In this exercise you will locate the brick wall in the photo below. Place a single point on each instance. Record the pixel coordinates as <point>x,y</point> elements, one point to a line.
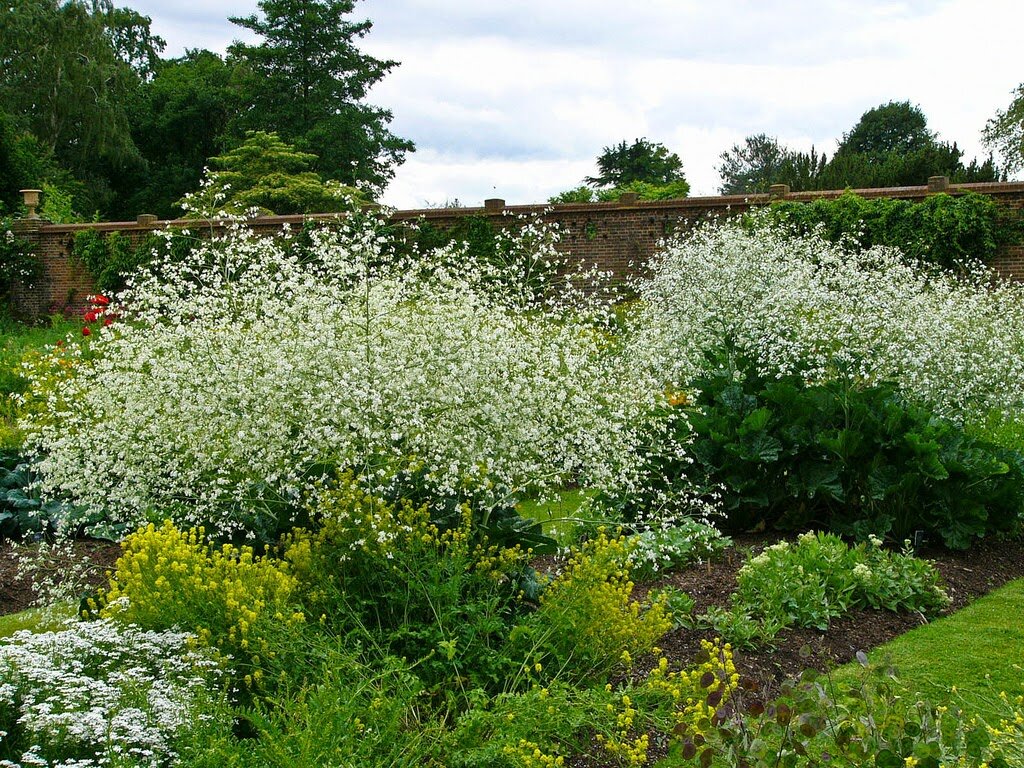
<point>618,237</point>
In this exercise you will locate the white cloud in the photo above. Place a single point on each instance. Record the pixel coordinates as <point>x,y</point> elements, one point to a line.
<point>517,99</point>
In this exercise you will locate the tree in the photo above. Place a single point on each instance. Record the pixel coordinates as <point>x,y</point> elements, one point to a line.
<point>762,161</point>
<point>893,127</point>
<point>270,175</point>
<point>179,119</point>
<point>306,82</point>
<point>752,167</point>
<point>67,69</point>
<point>1004,133</point>
<point>642,160</point>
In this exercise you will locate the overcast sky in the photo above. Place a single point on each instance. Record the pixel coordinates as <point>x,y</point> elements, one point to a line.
<point>516,99</point>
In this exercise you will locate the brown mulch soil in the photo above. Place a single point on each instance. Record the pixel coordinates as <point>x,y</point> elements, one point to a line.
<point>16,592</point>
<point>967,575</point>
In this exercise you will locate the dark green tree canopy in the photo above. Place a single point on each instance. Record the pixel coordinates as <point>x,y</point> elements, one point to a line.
<point>762,161</point>
<point>67,72</point>
<point>179,119</point>
<point>896,126</point>
<point>1004,133</point>
<point>890,146</point>
<point>306,81</point>
<point>641,161</point>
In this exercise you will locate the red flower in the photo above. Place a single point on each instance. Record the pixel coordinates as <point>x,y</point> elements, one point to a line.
<point>108,321</point>
<point>101,300</point>
<point>86,331</point>
<point>91,316</point>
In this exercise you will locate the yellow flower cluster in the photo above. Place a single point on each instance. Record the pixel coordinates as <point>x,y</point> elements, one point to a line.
<point>1007,739</point>
<point>529,755</point>
<point>362,525</point>
<point>167,577</point>
<point>690,689</point>
<point>633,751</point>
<point>590,612</point>
<point>677,397</point>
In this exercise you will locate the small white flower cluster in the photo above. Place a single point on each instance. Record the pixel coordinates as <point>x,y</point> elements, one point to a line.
<point>105,693</point>
<point>236,370</point>
<point>804,305</point>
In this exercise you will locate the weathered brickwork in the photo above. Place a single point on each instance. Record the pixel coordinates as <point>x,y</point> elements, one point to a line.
<point>617,237</point>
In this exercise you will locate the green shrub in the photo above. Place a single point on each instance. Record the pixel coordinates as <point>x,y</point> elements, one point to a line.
<point>849,457</point>
<point>386,575</point>
<point>818,579</point>
<point>941,229</point>
<point>228,596</point>
<point>587,622</point>
<point>112,257</point>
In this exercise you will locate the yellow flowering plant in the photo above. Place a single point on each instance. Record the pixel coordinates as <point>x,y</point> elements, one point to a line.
<point>227,595</point>
<point>587,622</point>
<point>390,577</point>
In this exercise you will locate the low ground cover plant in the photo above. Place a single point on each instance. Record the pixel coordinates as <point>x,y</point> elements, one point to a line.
<point>820,578</point>
<point>100,693</point>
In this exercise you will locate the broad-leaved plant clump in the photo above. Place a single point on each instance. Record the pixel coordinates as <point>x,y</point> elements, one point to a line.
<point>800,304</point>
<point>241,374</point>
<point>820,578</point>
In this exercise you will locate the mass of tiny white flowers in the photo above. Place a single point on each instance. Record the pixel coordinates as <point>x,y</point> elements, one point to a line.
<point>98,693</point>
<point>800,304</point>
<point>234,375</point>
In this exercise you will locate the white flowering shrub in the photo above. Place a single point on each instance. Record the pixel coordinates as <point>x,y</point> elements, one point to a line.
<point>99,694</point>
<point>237,377</point>
<point>799,304</point>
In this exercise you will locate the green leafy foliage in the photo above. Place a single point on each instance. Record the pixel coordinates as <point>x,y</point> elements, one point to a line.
<point>941,229</point>
<point>762,161</point>
<point>875,721</point>
<point>819,579</point>
<point>23,511</point>
<point>67,74</point>
<point>644,190</point>
<point>849,457</point>
<point>112,257</point>
<point>308,51</point>
<point>1005,131</point>
<point>269,175</point>
<point>383,573</point>
<point>643,160</point>
<point>890,146</point>
<point>179,119</point>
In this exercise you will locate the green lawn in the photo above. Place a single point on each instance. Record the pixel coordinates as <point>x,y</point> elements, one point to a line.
<point>36,619</point>
<point>978,650</point>
<point>559,516</point>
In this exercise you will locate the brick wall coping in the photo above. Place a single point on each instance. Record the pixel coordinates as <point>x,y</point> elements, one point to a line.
<point>679,204</point>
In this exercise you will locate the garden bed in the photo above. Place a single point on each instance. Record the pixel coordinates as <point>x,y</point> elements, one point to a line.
<point>967,575</point>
